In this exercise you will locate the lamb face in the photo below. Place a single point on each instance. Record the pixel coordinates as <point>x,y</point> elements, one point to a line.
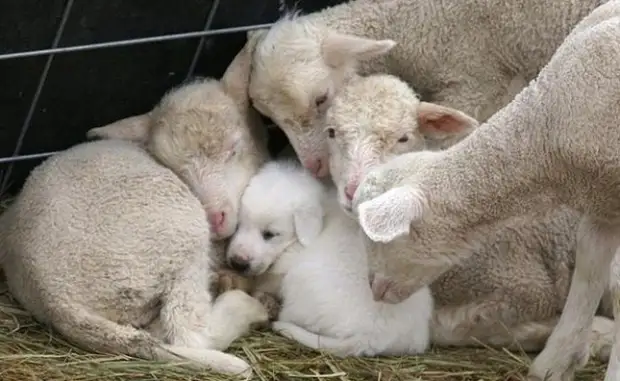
<point>276,212</point>
<point>208,135</point>
<point>209,145</point>
<point>297,69</point>
<point>378,117</point>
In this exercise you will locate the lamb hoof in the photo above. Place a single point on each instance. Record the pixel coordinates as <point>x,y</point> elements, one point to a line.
<point>543,370</point>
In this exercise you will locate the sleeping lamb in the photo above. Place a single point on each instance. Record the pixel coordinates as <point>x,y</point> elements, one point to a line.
<point>107,237</point>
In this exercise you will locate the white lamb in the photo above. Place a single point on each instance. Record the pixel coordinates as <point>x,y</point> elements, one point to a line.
<point>293,236</point>
<point>510,292</point>
<point>379,116</point>
<point>555,144</point>
<point>105,242</point>
<point>209,135</point>
<point>474,56</point>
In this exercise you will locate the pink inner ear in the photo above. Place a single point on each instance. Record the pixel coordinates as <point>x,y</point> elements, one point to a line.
<point>439,122</point>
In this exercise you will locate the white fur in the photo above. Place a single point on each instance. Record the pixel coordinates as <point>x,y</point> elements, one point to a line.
<point>320,257</point>
<point>207,133</point>
<point>112,235</point>
<point>472,55</point>
<point>555,144</point>
<point>98,235</point>
<point>376,117</point>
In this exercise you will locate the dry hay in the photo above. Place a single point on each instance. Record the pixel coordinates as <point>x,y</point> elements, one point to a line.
<point>30,352</point>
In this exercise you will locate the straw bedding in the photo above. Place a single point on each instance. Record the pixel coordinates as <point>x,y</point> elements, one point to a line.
<point>30,352</point>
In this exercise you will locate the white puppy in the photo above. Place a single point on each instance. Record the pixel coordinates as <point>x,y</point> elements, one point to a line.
<point>296,238</point>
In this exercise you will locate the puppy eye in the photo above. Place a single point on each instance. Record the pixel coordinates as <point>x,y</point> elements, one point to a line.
<point>403,139</point>
<point>267,235</point>
<point>331,133</point>
<point>320,100</point>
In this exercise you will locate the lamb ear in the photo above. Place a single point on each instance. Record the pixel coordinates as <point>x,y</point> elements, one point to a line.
<point>388,216</point>
<point>236,79</point>
<point>308,223</point>
<point>256,34</point>
<point>439,122</point>
<point>134,128</point>
<point>339,49</point>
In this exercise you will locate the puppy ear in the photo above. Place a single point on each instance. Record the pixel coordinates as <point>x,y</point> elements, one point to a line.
<point>388,216</point>
<point>308,222</point>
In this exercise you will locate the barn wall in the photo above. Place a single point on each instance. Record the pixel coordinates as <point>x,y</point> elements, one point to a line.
<point>90,88</point>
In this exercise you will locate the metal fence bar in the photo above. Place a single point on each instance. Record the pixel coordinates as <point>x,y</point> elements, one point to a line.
<point>39,90</point>
<point>51,52</point>
<point>136,41</point>
<point>33,156</point>
<point>201,43</point>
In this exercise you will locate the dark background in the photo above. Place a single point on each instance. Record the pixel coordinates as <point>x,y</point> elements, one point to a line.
<point>91,88</point>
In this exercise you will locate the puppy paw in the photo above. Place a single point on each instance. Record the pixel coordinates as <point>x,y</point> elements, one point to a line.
<point>271,303</point>
<point>243,306</point>
<point>227,280</point>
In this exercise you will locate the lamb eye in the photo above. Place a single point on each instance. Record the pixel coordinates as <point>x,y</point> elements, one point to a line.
<point>331,133</point>
<point>320,100</point>
<point>403,139</point>
<point>267,235</point>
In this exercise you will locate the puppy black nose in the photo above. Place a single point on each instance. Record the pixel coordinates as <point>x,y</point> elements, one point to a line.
<point>239,264</point>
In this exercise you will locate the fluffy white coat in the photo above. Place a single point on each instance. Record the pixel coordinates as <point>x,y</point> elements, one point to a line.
<point>293,234</point>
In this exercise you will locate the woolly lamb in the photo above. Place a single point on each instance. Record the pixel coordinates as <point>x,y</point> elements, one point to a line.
<point>474,56</point>
<point>511,291</point>
<point>555,144</point>
<point>297,241</point>
<point>207,133</point>
<point>377,117</point>
<point>103,240</point>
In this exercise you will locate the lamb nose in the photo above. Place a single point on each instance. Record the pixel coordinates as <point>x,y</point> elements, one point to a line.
<point>349,191</point>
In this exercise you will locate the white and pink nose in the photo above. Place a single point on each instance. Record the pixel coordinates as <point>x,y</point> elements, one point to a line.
<point>318,167</point>
<point>349,190</point>
<point>217,220</point>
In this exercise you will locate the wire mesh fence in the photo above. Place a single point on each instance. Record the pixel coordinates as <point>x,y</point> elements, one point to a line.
<point>55,49</point>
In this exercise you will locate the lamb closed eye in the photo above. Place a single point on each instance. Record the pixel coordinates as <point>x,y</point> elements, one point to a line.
<point>320,100</point>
